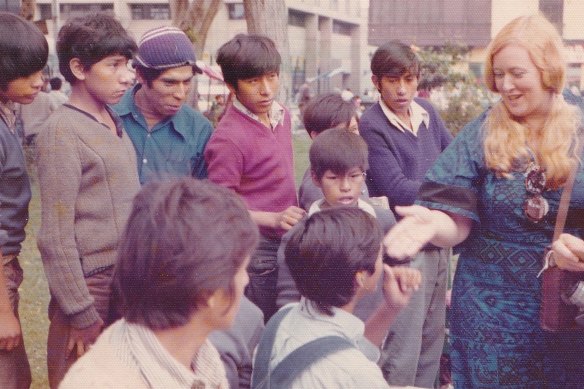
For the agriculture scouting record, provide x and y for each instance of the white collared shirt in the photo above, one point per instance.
(418, 115)
(361, 204)
(276, 113)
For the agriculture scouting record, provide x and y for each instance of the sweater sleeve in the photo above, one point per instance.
(385, 176)
(59, 170)
(224, 162)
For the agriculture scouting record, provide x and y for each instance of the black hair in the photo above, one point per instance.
(91, 38)
(395, 59)
(327, 250)
(56, 83)
(339, 151)
(247, 56)
(23, 49)
(327, 111)
(184, 240)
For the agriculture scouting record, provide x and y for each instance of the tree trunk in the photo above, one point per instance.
(270, 18)
(195, 20)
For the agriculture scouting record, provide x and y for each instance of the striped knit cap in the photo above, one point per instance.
(165, 48)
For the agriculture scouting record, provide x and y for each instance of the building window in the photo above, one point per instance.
(74, 10)
(46, 11)
(150, 11)
(296, 18)
(236, 11)
(342, 28)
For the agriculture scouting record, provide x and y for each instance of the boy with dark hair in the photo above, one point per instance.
(338, 161)
(405, 135)
(168, 135)
(321, 113)
(180, 274)
(251, 153)
(87, 175)
(24, 55)
(335, 259)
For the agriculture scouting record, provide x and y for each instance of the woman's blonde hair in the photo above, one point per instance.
(506, 140)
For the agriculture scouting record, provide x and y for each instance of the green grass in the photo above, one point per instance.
(34, 292)
(301, 143)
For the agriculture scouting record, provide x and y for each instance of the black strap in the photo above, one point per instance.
(303, 357)
(265, 346)
(565, 203)
(294, 363)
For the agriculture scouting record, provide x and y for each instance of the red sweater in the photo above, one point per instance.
(254, 161)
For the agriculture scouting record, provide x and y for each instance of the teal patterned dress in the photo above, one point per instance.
(495, 334)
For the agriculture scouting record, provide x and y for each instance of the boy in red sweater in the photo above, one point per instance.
(251, 153)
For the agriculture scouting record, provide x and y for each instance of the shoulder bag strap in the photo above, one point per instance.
(304, 356)
(565, 203)
(264, 349)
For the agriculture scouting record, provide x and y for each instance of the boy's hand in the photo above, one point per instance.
(398, 285)
(10, 333)
(289, 217)
(83, 338)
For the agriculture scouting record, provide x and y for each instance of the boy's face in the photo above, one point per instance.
(397, 92)
(341, 189)
(23, 90)
(169, 91)
(258, 93)
(107, 80)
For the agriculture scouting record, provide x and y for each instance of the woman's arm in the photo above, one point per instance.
(420, 226)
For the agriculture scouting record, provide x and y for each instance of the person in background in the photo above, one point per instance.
(250, 152)
(87, 176)
(338, 161)
(180, 274)
(57, 96)
(24, 55)
(495, 193)
(168, 135)
(325, 111)
(405, 135)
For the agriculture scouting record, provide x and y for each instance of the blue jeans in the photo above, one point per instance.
(263, 276)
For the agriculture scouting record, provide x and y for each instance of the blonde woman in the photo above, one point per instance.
(494, 194)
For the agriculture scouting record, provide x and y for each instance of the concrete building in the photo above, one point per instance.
(473, 23)
(328, 38)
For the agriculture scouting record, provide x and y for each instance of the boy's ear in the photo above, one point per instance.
(77, 68)
(315, 179)
(140, 80)
(231, 88)
(313, 134)
(376, 82)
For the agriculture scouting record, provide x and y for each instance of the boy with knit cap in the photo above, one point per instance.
(169, 136)
(87, 175)
(251, 153)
